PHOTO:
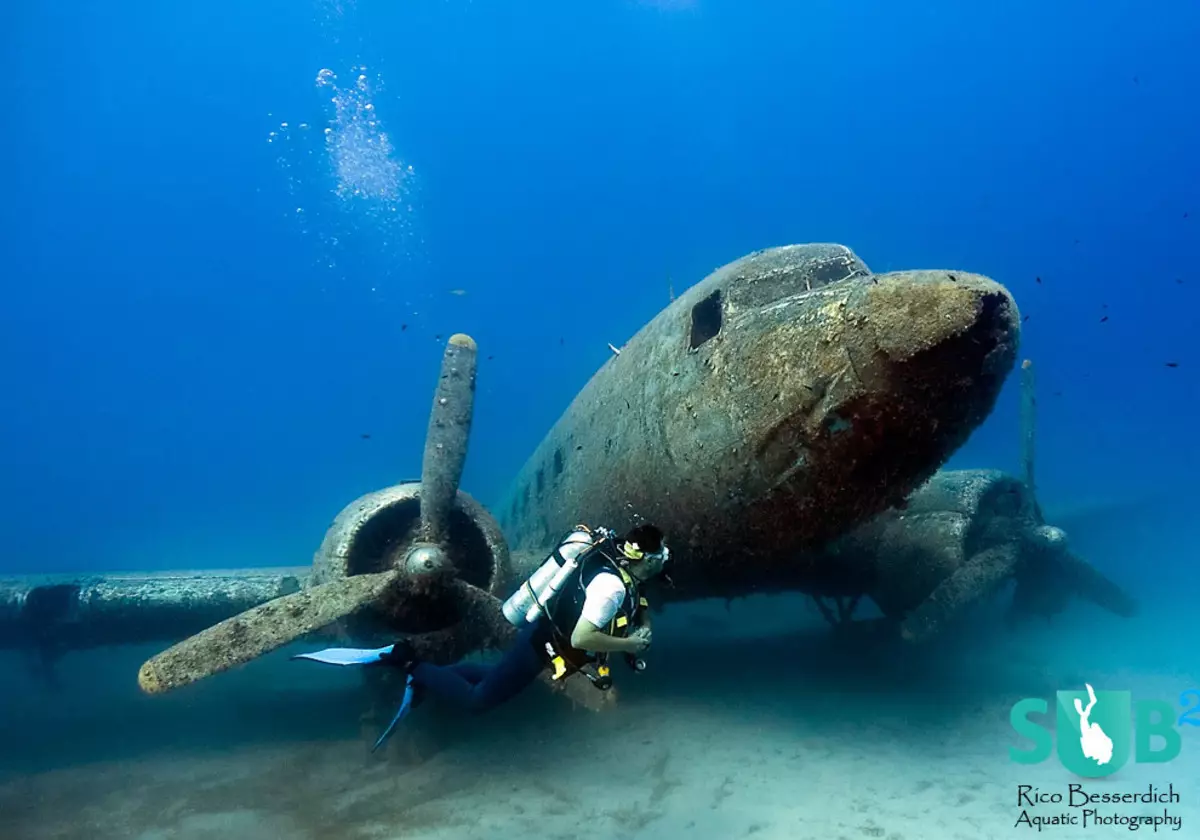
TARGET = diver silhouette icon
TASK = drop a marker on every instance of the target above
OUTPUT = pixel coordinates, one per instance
(1094, 742)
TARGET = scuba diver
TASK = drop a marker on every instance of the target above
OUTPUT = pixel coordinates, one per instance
(581, 605)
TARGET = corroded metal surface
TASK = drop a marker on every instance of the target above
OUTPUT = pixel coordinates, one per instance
(258, 630)
(786, 398)
(961, 537)
(372, 533)
(72, 612)
(446, 438)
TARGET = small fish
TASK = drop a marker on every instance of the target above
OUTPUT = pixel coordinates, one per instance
(403, 327)
(953, 279)
(1026, 318)
(458, 292)
(616, 351)
(490, 358)
(1105, 318)
(1179, 280)
(365, 436)
(1172, 364)
(1037, 280)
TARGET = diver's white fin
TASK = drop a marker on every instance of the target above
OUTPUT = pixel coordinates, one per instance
(346, 656)
(405, 706)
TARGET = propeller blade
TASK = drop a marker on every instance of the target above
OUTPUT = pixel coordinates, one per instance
(972, 583)
(1092, 585)
(1029, 433)
(470, 618)
(259, 630)
(446, 439)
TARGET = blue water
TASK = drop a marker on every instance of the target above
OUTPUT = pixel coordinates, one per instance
(177, 356)
(207, 350)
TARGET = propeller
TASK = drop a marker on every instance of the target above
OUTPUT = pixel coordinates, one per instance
(1046, 587)
(421, 555)
(1025, 548)
(1029, 433)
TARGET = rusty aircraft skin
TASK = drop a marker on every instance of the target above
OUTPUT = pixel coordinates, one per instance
(957, 541)
(787, 398)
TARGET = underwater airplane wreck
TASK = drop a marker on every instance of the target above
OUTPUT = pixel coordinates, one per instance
(777, 420)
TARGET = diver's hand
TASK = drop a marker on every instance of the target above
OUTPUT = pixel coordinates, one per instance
(640, 639)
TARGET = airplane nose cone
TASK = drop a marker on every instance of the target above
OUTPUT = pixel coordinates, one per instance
(928, 353)
(882, 378)
(913, 314)
(944, 342)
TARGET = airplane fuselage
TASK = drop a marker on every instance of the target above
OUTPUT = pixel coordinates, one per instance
(785, 398)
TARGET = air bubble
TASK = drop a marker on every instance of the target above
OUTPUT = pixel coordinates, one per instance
(369, 207)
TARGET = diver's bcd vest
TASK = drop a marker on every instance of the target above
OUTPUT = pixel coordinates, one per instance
(557, 590)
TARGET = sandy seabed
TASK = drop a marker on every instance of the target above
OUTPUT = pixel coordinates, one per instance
(730, 736)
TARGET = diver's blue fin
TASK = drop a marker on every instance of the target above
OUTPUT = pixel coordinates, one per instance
(346, 656)
(405, 706)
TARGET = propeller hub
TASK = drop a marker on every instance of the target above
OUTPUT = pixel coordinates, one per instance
(1050, 537)
(424, 558)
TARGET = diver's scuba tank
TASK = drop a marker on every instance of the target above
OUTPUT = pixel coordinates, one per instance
(526, 605)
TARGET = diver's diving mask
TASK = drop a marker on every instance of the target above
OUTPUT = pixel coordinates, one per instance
(658, 559)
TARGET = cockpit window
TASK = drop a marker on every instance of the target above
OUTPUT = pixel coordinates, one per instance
(770, 283)
(706, 320)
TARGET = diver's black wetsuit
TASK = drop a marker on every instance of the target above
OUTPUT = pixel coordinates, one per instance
(477, 688)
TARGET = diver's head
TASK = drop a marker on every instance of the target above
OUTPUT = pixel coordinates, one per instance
(644, 554)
